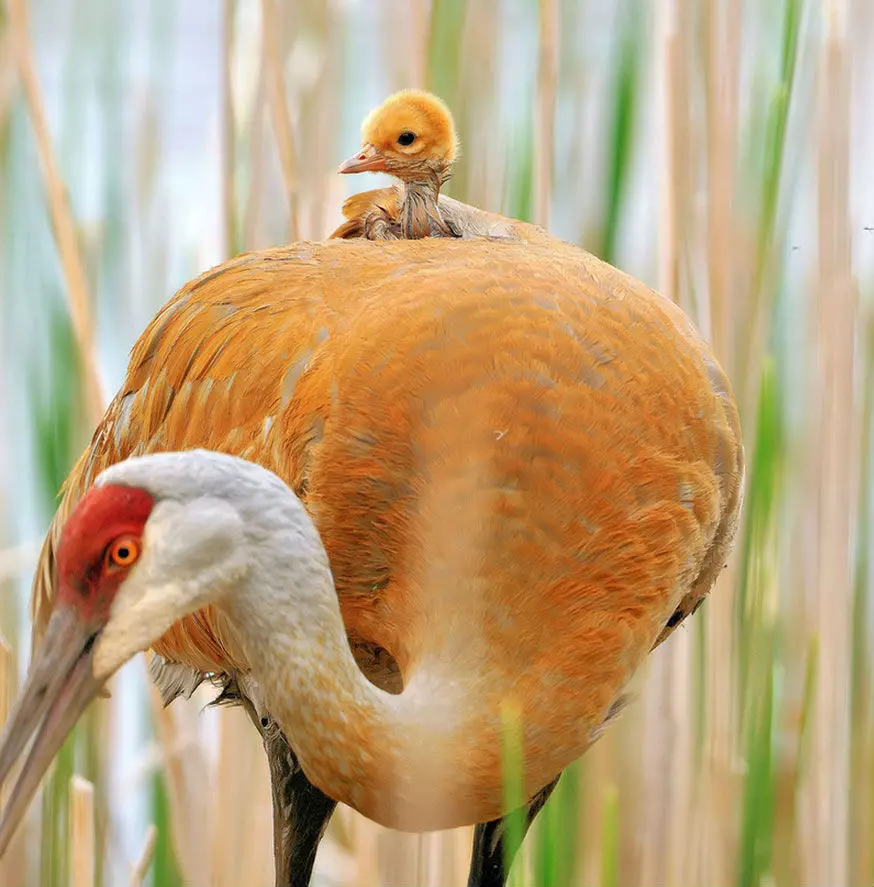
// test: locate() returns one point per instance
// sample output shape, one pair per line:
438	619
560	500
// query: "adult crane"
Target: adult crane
466	422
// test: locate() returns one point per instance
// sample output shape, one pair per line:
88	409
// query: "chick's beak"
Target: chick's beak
368	159
58	688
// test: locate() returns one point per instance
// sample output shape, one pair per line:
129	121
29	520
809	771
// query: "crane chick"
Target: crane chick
411	136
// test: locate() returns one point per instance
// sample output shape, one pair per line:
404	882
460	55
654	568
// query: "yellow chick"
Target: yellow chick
410	136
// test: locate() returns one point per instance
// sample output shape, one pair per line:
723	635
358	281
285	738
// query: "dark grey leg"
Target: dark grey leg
301	813
488	867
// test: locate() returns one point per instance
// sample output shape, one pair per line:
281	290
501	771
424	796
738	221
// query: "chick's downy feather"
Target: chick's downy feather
411	136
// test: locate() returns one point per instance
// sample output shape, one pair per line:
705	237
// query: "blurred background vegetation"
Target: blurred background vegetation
718	150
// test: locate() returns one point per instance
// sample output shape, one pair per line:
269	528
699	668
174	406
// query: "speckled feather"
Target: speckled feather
464	220
499	441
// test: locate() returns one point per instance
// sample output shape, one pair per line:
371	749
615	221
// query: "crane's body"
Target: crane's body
524	466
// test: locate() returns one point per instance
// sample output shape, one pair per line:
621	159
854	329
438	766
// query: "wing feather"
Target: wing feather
364	375
464	220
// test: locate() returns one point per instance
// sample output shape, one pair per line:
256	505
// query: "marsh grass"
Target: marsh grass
514	797
712	142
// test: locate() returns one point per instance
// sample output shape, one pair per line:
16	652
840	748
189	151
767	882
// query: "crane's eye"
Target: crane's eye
406	138
123	552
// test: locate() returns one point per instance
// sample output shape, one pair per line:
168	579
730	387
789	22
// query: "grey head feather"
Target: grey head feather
191	474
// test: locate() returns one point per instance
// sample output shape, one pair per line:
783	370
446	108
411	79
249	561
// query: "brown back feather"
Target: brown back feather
364	375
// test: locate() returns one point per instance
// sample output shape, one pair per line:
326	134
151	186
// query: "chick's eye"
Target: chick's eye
406	138
122	552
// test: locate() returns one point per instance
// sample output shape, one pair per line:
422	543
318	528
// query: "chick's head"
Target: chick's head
411	135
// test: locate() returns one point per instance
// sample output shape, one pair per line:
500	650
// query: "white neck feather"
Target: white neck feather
287	617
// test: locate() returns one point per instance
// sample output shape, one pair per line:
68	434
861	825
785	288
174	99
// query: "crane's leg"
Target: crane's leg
488	868
379	225
301	813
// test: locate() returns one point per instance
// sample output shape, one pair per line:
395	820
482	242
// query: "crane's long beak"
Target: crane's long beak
58	688
368	159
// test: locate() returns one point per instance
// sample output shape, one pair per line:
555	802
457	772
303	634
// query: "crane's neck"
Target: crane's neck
353	740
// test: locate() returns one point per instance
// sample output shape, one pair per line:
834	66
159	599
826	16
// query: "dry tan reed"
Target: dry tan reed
81	833
140	869
253	215
419	43
229	129
7	73
663	794
7	679
719	785
13	864
282	127
825	799
723	78
544	128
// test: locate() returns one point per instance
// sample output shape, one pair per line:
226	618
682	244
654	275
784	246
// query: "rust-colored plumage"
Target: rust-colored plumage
256	357
564	421
411	135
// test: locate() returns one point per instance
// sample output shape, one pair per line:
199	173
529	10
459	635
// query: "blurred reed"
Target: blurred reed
81	832
705	146
140	868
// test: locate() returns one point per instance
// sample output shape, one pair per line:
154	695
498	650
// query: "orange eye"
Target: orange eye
122	553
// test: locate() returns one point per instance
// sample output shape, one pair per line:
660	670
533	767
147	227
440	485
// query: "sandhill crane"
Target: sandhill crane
516	456
411	135
198	649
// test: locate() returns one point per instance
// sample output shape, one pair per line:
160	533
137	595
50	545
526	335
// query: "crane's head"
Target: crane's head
411	135
155	538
